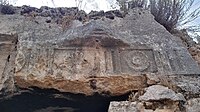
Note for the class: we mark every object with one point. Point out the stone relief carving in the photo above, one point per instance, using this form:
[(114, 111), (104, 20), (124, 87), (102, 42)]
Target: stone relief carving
[(137, 60), (19, 61), (38, 62), (71, 61), (78, 61)]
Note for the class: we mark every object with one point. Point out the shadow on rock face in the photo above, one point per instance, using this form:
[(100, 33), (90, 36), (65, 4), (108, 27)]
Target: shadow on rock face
[(39, 100)]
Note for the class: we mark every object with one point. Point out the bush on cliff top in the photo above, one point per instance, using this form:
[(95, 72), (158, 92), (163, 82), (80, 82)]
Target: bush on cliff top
[(172, 14)]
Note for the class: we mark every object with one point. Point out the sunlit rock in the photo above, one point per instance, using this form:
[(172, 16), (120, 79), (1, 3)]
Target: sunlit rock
[(106, 56)]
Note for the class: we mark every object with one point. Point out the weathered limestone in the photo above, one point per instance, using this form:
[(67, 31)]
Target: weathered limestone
[(124, 106), (158, 92), (7, 57), (193, 105), (127, 106), (187, 83), (106, 53), (105, 56)]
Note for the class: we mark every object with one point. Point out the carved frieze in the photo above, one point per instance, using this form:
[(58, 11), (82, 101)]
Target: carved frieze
[(72, 62), (86, 60)]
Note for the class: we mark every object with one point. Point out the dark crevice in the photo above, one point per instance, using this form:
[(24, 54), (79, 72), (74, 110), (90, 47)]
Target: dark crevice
[(8, 58), (93, 84), (41, 100)]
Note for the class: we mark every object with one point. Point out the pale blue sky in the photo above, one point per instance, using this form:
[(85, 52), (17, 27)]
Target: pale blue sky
[(196, 5)]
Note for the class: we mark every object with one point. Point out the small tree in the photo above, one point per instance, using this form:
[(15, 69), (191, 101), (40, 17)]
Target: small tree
[(171, 14), (138, 3), (3, 2), (125, 5), (174, 14), (6, 2)]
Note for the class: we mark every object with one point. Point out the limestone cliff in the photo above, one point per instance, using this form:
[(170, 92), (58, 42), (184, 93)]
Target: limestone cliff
[(107, 53)]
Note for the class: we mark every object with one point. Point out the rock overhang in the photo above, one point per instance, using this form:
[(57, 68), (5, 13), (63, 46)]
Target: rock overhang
[(99, 56)]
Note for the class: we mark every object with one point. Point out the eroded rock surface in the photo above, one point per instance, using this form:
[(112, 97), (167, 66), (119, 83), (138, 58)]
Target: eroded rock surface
[(103, 54), (124, 106), (158, 92), (7, 57), (193, 105), (127, 106)]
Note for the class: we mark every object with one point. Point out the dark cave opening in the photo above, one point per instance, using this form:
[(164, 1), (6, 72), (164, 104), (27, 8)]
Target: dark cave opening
[(49, 100)]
